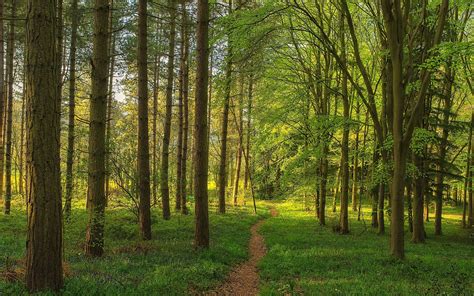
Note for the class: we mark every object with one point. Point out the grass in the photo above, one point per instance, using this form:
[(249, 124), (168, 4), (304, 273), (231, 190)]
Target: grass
[(303, 258), (306, 259), (166, 265)]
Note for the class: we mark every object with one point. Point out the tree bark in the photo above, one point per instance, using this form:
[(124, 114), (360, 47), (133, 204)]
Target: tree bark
[(225, 122), (98, 113), (201, 148), (9, 127), (44, 238), (468, 177), (164, 176), (143, 157), (344, 216), (110, 102), (2, 93), (72, 108), (184, 154), (240, 123)]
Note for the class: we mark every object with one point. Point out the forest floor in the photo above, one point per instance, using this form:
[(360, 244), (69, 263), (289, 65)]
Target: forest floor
[(290, 254)]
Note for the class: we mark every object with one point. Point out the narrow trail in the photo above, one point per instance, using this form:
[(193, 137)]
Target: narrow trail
[(244, 279)]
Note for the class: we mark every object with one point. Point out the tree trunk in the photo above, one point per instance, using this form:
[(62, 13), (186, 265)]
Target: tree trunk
[(355, 175), (201, 148), (249, 132), (143, 157), (2, 93), (225, 122), (156, 88), (164, 179), (344, 216), (418, 235), (72, 107), (98, 113), (240, 126), (184, 154), (110, 101), (468, 177), (44, 238), (9, 127)]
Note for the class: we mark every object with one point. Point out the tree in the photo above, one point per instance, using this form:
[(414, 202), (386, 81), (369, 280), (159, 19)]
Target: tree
[(201, 148), (72, 107), (44, 239), (395, 20), (98, 112), (9, 109), (143, 146), (225, 123), (184, 154), (164, 182), (2, 92)]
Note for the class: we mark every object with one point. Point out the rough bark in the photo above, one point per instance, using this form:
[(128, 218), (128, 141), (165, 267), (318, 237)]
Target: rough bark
[(2, 93), (224, 126), (44, 238), (344, 215), (110, 102), (9, 115), (235, 193), (201, 148), (164, 176), (98, 111), (72, 108), (143, 157), (184, 154)]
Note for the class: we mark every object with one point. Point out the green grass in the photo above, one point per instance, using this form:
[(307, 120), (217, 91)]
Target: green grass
[(167, 265), (305, 258)]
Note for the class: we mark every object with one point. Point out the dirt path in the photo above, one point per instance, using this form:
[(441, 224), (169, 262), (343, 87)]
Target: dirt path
[(244, 279)]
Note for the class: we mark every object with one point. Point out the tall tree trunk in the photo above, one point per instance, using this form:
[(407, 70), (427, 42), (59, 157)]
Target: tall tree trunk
[(468, 178), (344, 216), (110, 102), (240, 126), (156, 89), (98, 113), (184, 154), (355, 175), (164, 179), (44, 238), (179, 152), (72, 107), (2, 93), (225, 122), (9, 127), (249, 132), (143, 157), (395, 35), (470, 220), (201, 148)]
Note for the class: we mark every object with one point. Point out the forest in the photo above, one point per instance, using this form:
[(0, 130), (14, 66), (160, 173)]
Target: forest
[(236, 147)]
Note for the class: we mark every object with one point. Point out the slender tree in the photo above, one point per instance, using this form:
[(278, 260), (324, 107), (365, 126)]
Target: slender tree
[(44, 238), (9, 114), (98, 112), (164, 179), (344, 216), (72, 108), (143, 146), (2, 92), (201, 148), (184, 154), (224, 126)]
